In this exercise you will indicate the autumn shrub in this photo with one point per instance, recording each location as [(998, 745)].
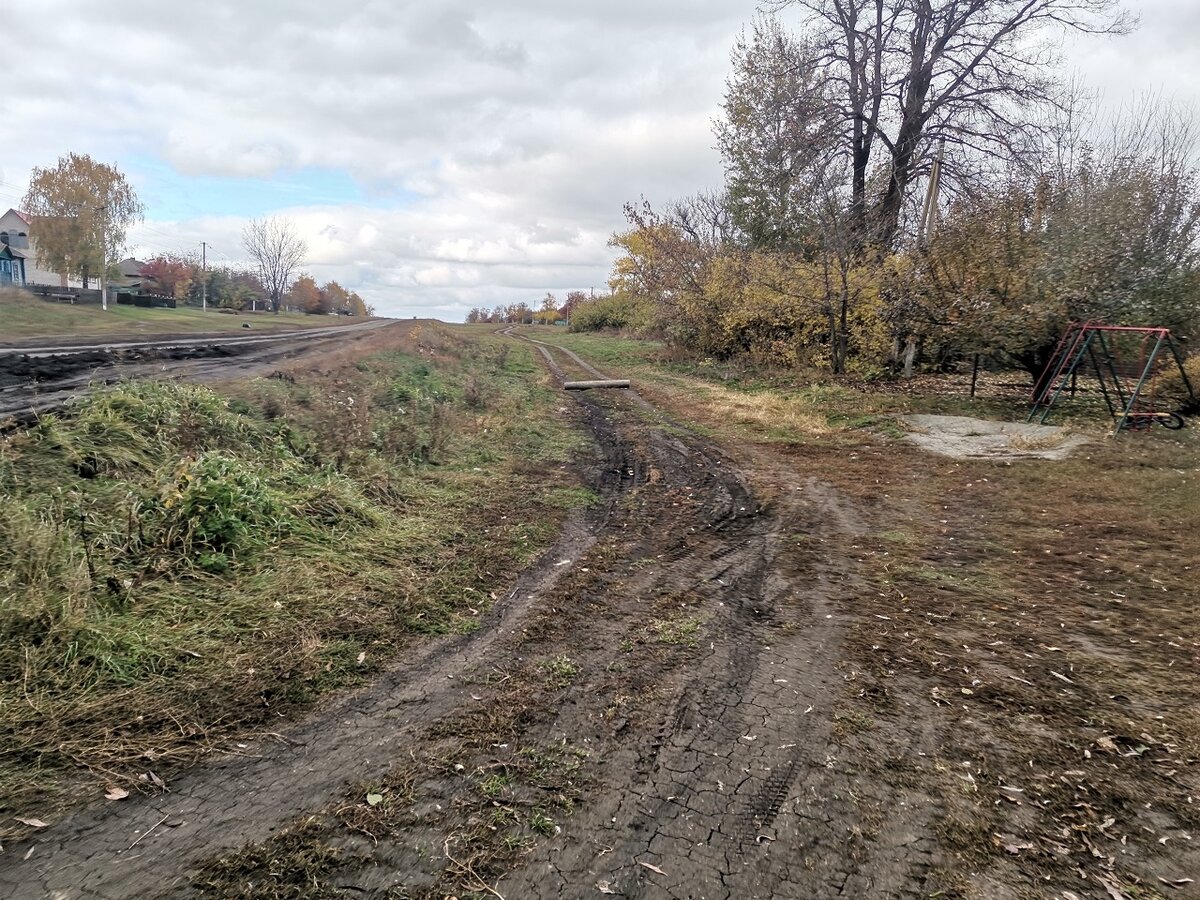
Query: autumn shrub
[(1170, 387), (618, 311)]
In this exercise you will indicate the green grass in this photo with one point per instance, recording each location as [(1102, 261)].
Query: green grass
[(178, 564), (601, 349), (24, 316), (559, 671), (681, 630)]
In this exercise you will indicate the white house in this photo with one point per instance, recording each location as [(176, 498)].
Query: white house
[(14, 233)]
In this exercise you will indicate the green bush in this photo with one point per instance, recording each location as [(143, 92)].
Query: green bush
[(616, 311)]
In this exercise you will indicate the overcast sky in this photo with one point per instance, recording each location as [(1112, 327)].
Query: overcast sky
[(436, 155)]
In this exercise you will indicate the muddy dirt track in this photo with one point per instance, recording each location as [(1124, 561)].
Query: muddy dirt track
[(39, 378), (705, 623)]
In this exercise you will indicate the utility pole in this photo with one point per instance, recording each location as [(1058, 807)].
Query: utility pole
[(104, 257), (203, 275), (929, 211)]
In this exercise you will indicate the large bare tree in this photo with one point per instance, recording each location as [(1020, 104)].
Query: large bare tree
[(81, 210), (277, 250), (908, 75)]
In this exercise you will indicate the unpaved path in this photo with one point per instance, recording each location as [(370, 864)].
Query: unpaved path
[(35, 379), (712, 770)]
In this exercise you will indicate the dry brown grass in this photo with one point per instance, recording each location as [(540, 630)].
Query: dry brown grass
[(763, 412)]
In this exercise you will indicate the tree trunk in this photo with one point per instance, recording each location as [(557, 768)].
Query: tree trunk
[(910, 356), (844, 323)]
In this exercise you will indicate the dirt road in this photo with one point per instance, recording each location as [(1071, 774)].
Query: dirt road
[(39, 377), (664, 697)]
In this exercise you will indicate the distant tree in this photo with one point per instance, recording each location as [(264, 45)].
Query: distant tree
[(277, 251), (335, 298), (81, 210), (248, 288), (573, 301), (173, 274), (358, 306), (306, 296), (520, 313)]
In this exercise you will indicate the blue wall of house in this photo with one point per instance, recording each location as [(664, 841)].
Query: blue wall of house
[(12, 271)]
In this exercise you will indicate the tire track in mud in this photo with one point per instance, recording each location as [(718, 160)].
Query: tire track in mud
[(725, 778), (740, 793)]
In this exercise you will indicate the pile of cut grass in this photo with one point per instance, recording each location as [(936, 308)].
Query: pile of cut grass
[(178, 565)]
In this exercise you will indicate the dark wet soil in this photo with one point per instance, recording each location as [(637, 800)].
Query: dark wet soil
[(32, 382)]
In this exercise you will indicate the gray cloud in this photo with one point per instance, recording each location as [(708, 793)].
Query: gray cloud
[(514, 132)]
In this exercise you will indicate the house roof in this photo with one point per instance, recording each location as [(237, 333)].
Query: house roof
[(130, 268), (20, 215)]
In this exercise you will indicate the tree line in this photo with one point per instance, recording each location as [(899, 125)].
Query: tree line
[(187, 280), (548, 311), (82, 211), (910, 182)]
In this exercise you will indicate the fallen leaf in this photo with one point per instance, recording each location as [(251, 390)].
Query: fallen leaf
[(1061, 677), (361, 657), (1113, 891), (1015, 849), (115, 793), (1012, 794), (374, 799), (1106, 743), (604, 887), (1175, 882), (32, 823), (652, 868)]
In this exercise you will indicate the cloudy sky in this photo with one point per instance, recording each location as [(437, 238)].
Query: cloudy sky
[(437, 155)]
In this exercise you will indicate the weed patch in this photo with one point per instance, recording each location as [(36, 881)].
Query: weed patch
[(179, 563)]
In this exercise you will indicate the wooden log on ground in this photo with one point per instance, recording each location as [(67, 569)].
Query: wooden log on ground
[(588, 385)]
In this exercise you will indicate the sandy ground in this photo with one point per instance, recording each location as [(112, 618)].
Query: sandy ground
[(965, 437)]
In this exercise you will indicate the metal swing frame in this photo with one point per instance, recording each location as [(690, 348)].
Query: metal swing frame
[(1090, 342)]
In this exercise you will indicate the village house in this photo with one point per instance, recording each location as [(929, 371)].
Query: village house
[(15, 237)]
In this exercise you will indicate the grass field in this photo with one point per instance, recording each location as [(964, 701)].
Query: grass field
[(1007, 653), (179, 563), (23, 316)]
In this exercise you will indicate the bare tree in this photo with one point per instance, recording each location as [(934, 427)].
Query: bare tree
[(909, 74), (277, 251)]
